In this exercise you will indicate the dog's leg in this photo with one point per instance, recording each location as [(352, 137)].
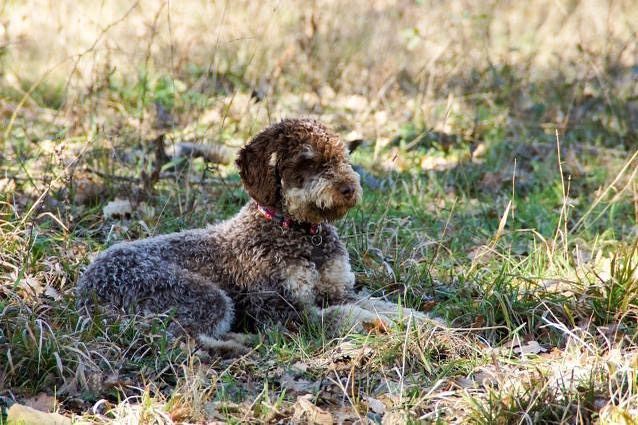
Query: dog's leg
[(365, 314), (336, 280), (392, 311), (229, 345), (134, 280), (341, 319)]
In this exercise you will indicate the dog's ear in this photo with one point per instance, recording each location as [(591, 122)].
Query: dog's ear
[(257, 162)]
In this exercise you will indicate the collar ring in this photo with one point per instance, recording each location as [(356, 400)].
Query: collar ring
[(316, 240)]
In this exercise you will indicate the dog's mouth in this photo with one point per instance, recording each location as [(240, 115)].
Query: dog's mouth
[(332, 213), (319, 200), (339, 205)]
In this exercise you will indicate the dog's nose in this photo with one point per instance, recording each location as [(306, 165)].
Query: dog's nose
[(347, 190)]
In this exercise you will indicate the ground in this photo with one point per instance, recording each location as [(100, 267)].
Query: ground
[(497, 143)]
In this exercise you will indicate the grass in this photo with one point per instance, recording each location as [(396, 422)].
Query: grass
[(499, 162)]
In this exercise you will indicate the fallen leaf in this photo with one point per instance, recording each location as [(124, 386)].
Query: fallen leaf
[(377, 327), (429, 305), (305, 412), (532, 347), (42, 402), (554, 354), (114, 380), (529, 347), (464, 382), (346, 354), (485, 377), (479, 322), (375, 405), (53, 293), (394, 418), (298, 385), (20, 414), (300, 367), (30, 284), (119, 208), (438, 163), (344, 415)]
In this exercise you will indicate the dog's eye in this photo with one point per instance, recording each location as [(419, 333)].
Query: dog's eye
[(303, 171), (306, 161), (306, 166)]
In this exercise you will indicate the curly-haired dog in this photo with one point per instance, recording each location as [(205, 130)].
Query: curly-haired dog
[(277, 259)]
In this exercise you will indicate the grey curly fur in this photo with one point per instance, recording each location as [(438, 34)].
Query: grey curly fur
[(248, 269)]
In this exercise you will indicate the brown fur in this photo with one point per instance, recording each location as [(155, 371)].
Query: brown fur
[(246, 269), (250, 270)]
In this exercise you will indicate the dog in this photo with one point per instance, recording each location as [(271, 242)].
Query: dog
[(278, 260)]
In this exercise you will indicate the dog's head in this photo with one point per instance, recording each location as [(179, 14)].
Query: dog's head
[(301, 168)]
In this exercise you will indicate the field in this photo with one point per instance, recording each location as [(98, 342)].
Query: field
[(497, 143)]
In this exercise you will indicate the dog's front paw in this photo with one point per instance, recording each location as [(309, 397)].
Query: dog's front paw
[(229, 346), (393, 311), (345, 318), (336, 279)]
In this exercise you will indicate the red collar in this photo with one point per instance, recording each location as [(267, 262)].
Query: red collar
[(287, 222)]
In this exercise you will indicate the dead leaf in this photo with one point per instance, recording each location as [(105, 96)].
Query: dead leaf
[(479, 322), (346, 354), (119, 208), (344, 415), (42, 402), (394, 418), (114, 380), (20, 414), (305, 412), (464, 382), (478, 152), (298, 385), (554, 354), (438, 163), (300, 367), (53, 293), (377, 327), (429, 305), (28, 283), (531, 347), (524, 348), (375, 405), (485, 377)]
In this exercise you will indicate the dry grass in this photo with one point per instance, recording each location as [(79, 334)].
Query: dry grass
[(499, 159)]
